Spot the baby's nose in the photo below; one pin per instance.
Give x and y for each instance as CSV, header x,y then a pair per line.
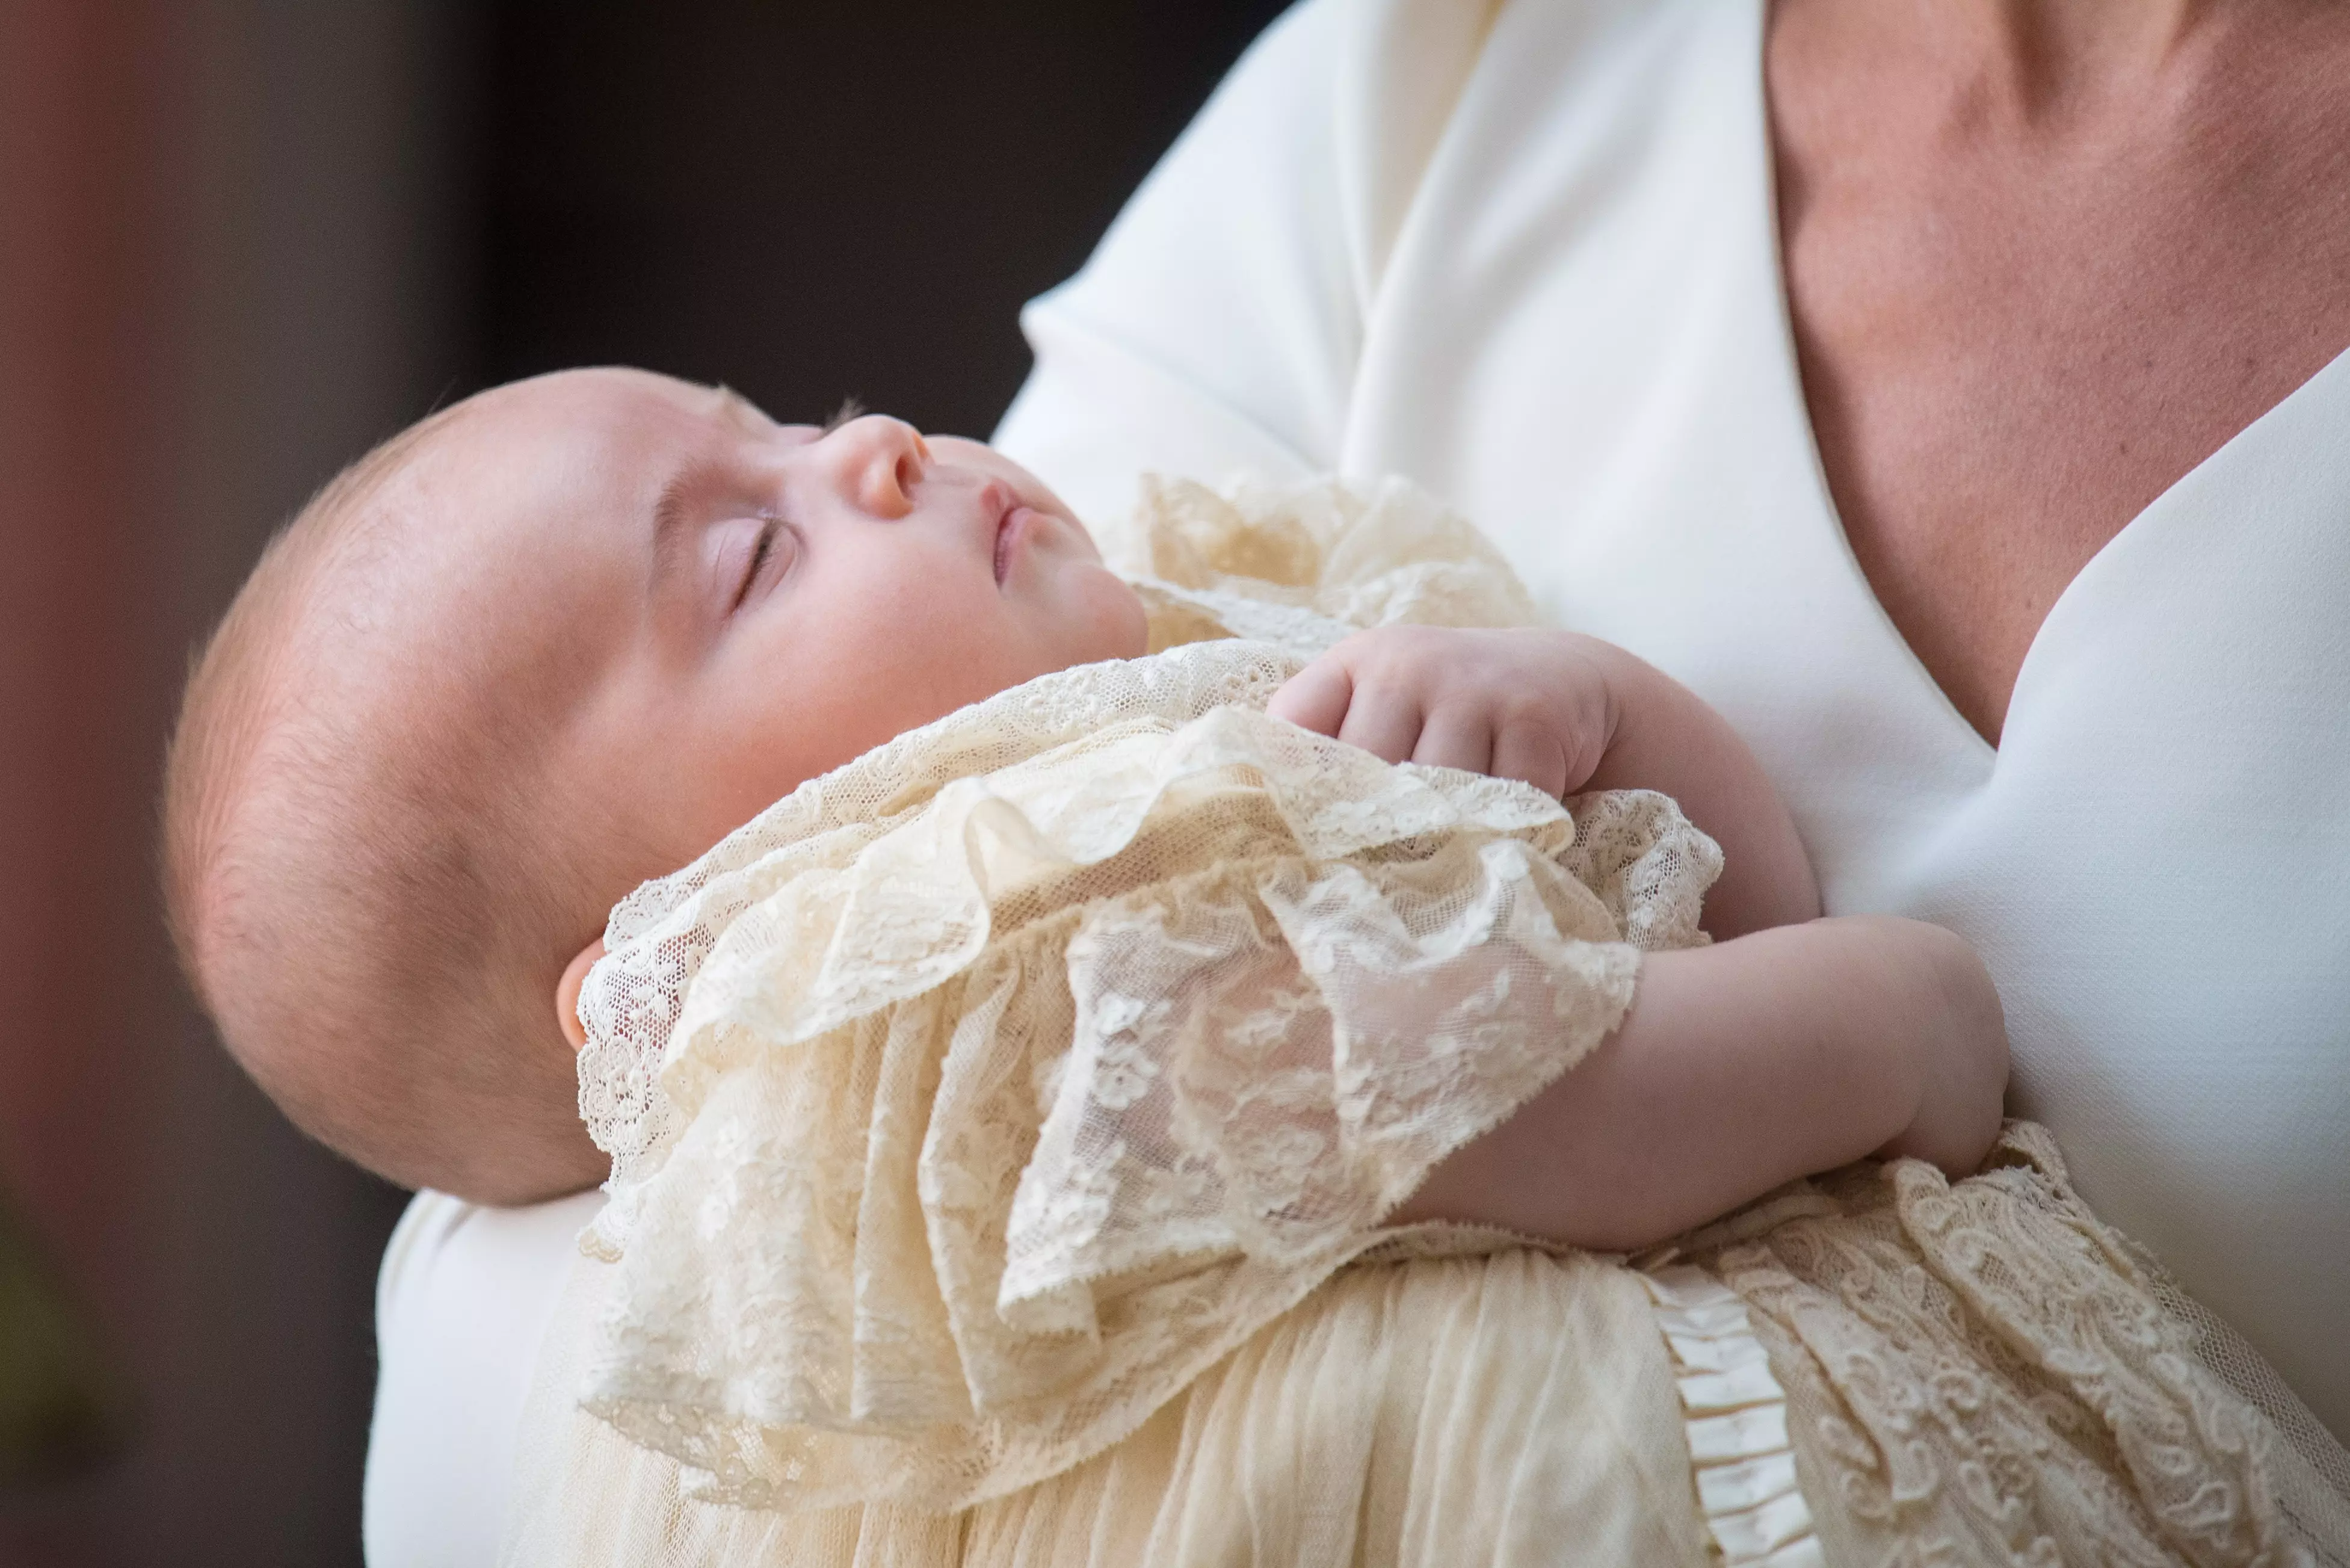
x,y
882,460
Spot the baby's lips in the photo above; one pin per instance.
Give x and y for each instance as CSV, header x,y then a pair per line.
x,y
1007,514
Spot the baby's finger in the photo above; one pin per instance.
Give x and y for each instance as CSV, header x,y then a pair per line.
x,y
1315,698
1383,718
1532,752
1459,735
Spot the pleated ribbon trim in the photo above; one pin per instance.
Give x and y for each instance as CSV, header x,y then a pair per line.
x,y
1736,1417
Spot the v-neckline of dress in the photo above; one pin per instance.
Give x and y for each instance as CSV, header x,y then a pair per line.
x,y
2068,604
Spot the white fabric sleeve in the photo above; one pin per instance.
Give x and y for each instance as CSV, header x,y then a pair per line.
x,y
1217,326
461,1305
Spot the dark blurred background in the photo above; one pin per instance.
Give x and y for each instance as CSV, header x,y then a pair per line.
x,y
240,241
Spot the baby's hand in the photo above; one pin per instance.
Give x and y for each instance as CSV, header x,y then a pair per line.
x,y
1565,713
1529,704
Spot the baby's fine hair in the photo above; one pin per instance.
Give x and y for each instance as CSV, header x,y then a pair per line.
x,y
358,889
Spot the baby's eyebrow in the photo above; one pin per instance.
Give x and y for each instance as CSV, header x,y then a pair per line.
x,y
672,515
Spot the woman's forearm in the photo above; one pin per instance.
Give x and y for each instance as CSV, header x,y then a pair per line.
x,y
1740,1067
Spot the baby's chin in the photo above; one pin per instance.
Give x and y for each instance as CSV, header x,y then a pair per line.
x,y
1117,626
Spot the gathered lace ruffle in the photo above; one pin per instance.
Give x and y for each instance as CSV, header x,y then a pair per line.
x,y
974,1099
995,1137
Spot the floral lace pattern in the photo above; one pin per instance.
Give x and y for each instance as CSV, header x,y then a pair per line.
x,y
993,1138
660,935
1295,569
975,1098
1979,1374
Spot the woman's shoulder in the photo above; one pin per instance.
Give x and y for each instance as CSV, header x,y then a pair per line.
x,y
1217,324
1223,320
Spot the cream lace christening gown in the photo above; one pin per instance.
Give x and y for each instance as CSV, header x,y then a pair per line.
x,y
1002,1128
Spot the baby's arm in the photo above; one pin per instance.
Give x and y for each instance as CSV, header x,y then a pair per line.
x,y
1565,713
1792,1045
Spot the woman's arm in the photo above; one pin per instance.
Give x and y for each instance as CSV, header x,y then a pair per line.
x,y
463,1303
1742,1066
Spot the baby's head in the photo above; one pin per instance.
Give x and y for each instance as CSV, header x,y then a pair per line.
x,y
548,643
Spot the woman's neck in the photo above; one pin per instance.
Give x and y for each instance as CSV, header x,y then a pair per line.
x,y
2035,62
2044,34
2043,258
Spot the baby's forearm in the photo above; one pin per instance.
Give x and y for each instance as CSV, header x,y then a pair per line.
x,y
1742,1066
1664,738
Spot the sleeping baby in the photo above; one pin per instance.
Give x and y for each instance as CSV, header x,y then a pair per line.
x,y
1212,1063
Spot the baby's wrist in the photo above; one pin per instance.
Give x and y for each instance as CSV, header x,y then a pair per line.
x,y
1623,684
1654,728
1948,1026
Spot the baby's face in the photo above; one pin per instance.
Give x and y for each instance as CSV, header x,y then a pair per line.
x,y
717,607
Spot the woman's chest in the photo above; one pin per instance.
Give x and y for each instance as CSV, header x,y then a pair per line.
x,y
1629,421
2015,336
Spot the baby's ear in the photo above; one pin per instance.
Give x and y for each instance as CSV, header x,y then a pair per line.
x,y
566,992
